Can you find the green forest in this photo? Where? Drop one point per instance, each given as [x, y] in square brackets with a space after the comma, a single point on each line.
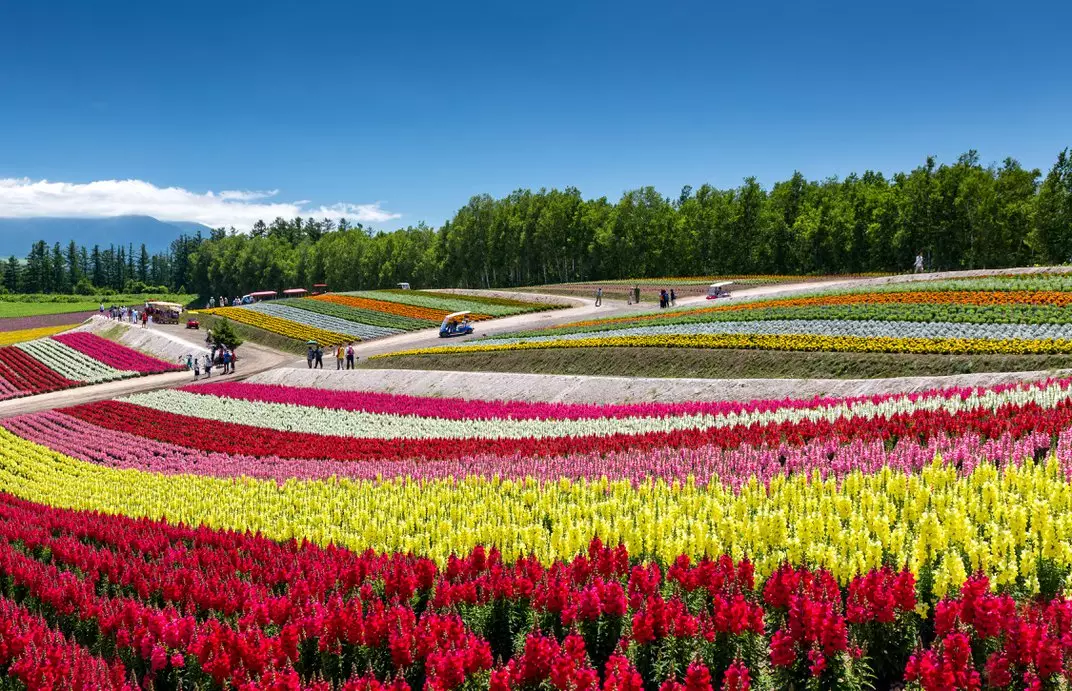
[962, 215]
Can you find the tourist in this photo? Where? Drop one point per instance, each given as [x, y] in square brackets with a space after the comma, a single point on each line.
[226, 360]
[599, 296]
[197, 368]
[102, 308]
[340, 356]
[350, 355]
[319, 357]
[211, 303]
[309, 355]
[208, 367]
[673, 298]
[919, 262]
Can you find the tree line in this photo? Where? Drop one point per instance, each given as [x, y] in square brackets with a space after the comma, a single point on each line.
[959, 216]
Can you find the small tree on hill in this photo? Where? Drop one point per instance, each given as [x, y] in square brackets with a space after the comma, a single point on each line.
[223, 334]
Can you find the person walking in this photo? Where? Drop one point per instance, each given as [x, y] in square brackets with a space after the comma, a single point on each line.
[599, 296]
[226, 361]
[673, 298]
[919, 263]
[309, 355]
[197, 367]
[350, 355]
[208, 367]
[340, 356]
[319, 357]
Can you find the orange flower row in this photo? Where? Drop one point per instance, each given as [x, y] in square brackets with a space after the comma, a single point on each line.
[984, 298]
[396, 308]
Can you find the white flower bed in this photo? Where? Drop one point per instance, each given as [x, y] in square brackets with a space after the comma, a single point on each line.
[70, 363]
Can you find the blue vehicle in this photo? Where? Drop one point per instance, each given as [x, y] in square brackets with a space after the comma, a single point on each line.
[456, 324]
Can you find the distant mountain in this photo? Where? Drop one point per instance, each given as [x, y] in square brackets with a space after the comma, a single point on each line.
[18, 234]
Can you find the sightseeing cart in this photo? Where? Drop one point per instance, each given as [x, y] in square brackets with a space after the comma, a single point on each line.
[456, 324]
[163, 312]
[718, 290]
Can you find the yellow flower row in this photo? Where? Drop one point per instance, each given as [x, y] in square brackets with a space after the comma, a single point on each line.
[1000, 522]
[9, 337]
[283, 327]
[794, 342]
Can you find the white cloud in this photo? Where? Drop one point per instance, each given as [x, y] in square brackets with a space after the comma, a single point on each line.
[25, 198]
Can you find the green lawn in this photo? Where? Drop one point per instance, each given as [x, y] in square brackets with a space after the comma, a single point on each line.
[33, 305]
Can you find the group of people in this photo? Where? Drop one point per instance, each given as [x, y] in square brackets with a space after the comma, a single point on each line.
[314, 356]
[218, 356]
[131, 315]
[667, 299]
[235, 302]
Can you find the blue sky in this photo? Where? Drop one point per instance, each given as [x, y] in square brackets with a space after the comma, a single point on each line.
[419, 105]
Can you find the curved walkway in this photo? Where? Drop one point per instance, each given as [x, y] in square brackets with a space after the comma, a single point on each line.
[587, 389]
[254, 359]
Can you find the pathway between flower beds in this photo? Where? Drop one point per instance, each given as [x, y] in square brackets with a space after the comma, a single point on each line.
[580, 389]
[168, 343]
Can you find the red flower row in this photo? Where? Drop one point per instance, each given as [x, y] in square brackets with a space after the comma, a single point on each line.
[29, 375]
[115, 355]
[123, 600]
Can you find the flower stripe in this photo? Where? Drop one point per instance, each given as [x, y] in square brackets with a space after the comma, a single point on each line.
[734, 467]
[283, 327]
[796, 342]
[849, 526]
[114, 355]
[321, 321]
[71, 363]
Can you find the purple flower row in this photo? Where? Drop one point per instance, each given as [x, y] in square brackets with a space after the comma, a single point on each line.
[39, 321]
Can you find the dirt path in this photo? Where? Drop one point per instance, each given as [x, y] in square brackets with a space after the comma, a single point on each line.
[253, 359]
[586, 389]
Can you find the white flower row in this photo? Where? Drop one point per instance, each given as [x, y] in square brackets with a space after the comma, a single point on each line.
[819, 327]
[71, 363]
[326, 421]
[323, 321]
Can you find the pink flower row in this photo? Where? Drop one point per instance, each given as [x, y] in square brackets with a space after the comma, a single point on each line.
[733, 468]
[464, 409]
[113, 354]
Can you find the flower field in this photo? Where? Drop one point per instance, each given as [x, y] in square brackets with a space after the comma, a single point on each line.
[241, 535]
[340, 318]
[1008, 315]
[67, 360]
[10, 337]
[691, 286]
[42, 321]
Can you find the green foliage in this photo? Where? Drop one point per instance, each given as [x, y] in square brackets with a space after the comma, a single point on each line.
[960, 216]
[223, 334]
